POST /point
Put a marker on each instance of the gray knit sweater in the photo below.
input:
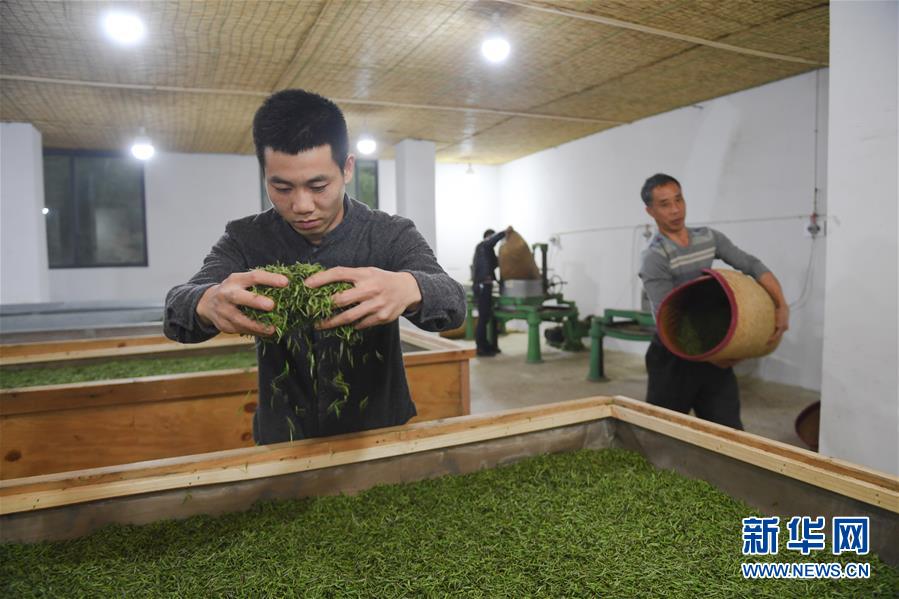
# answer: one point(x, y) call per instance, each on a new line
point(667, 265)
point(296, 406)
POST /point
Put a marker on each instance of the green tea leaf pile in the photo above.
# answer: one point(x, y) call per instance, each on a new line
point(297, 306)
point(297, 309)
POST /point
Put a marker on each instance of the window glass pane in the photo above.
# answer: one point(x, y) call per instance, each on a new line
point(110, 210)
point(366, 182)
point(59, 219)
point(96, 210)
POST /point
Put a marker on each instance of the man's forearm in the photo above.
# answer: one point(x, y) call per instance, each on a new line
point(772, 286)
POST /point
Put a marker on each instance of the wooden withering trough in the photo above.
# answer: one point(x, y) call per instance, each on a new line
point(81, 351)
point(773, 477)
point(58, 428)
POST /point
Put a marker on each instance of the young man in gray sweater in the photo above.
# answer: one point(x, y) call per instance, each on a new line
point(303, 148)
point(678, 254)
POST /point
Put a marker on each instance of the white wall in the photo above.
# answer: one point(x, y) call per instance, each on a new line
point(415, 185)
point(466, 205)
point(749, 155)
point(859, 403)
point(387, 186)
point(189, 199)
point(23, 234)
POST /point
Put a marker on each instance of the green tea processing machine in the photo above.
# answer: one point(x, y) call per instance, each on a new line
point(534, 301)
point(539, 300)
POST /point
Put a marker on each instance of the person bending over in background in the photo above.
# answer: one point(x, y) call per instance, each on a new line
point(675, 255)
point(483, 274)
point(302, 145)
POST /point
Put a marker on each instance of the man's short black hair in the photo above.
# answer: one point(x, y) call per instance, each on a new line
point(294, 120)
point(653, 182)
point(489, 233)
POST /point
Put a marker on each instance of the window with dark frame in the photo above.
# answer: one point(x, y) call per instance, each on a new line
point(96, 209)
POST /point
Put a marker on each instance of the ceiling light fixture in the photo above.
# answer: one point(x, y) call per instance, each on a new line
point(45, 211)
point(366, 145)
point(469, 170)
point(496, 47)
point(142, 148)
point(124, 28)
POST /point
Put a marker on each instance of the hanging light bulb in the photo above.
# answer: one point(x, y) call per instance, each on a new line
point(366, 145)
point(124, 28)
point(469, 170)
point(142, 148)
point(496, 48)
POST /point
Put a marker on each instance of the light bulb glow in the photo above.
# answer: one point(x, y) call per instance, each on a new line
point(124, 28)
point(366, 145)
point(142, 149)
point(496, 48)
point(45, 211)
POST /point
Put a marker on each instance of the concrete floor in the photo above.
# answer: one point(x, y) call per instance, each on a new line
point(506, 382)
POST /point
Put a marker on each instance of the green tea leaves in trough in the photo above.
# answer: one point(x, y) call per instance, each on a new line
point(579, 524)
point(125, 369)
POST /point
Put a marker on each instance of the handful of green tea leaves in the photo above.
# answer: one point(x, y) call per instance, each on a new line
point(298, 306)
point(297, 309)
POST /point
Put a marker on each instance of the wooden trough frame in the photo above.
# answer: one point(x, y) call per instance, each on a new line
point(773, 477)
point(58, 428)
point(81, 351)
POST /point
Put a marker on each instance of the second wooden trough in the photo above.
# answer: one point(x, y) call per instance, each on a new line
point(56, 428)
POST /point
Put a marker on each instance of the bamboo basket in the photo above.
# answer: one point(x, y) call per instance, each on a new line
point(722, 315)
point(516, 260)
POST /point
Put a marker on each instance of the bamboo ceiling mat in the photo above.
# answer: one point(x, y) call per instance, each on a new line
point(399, 68)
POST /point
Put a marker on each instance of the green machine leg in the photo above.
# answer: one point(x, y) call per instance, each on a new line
point(534, 356)
point(469, 320)
point(572, 330)
point(597, 368)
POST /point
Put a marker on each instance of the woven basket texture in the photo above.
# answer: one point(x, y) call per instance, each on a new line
point(694, 320)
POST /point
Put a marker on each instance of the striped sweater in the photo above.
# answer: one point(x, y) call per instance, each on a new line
point(667, 265)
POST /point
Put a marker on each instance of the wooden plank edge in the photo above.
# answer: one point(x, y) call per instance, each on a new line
point(465, 385)
point(429, 341)
point(134, 351)
point(91, 394)
point(20, 495)
point(867, 492)
point(768, 445)
point(421, 358)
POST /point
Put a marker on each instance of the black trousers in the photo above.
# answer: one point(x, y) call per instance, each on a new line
point(681, 385)
point(483, 294)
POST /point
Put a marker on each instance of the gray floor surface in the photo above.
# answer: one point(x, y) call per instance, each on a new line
point(506, 381)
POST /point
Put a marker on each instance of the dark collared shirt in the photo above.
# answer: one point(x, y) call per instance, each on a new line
point(485, 262)
point(297, 406)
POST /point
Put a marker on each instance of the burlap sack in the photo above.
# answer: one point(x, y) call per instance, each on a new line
point(516, 260)
point(722, 315)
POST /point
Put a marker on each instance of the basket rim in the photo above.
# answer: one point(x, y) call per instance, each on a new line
point(710, 273)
